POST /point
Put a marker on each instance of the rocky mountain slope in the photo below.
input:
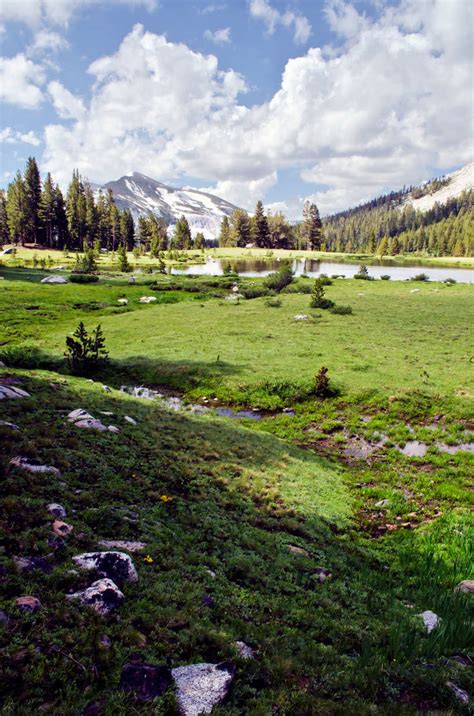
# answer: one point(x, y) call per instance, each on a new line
point(143, 195)
point(457, 182)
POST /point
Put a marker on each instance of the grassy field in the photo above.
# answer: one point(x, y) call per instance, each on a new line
point(394, 531)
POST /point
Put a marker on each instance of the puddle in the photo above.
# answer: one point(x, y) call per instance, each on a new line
point(453, 449)
point(359, 448)
point(414, 448)
point(235, 414)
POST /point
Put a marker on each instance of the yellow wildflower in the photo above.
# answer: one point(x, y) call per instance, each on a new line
point(165, 498)
point(148, 559)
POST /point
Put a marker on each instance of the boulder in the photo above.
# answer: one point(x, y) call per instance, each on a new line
point(122, 301)
point(132, 279)
point(430, 620)
point(466, 586)
point(115, 565)
point(61, 528)
point(83, 419)
point(28, 604)
point(113, 429)
point(323, 574)
point(130, 420)
point(54, 279)
point(294, 549)
point(300, 317)
point(145, 681)
point(79, 414)
point(57, 510)
point(244, 650)
point(200, 687)
point(30, 564)
point(147, 299)
point(461, 695)
point(122, 544)
point(103, 596)
point(34, 468)
point(11, 392)
point(12, 426)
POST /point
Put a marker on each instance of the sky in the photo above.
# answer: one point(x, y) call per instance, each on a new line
point(335, 101)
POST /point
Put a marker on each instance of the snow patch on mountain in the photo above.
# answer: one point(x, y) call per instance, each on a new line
point(143, 195)
point(459, 181)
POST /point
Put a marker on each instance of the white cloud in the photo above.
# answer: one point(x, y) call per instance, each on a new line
point(388, 107)
point(262, 10)
point(219, 37)
point(46, 42)
point(20, 81)
point(12, 136)
point(65, 103)
point(211, 8)
point(57, 12)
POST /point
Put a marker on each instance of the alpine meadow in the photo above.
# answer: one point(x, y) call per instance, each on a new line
point(236, 358)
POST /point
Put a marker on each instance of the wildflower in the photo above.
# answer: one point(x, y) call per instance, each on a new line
point(165, 498)
point(148, 559)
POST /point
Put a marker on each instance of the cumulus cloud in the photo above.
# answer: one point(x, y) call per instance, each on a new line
point(67, 105)
point(219, 37)
point(388, 106)
point(12, 136)
point(20, 81)
point(263, 10)
point(46, 42)
point(56, 12)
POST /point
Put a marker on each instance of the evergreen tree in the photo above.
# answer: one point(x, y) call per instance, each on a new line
point(60, 220)
point(76, 211)
point(127, 229)
point(312, 230)
point(32, 181)
point(122, 259)
point(280, 231)
point(224, 235)
point(241, 231)
point(260, 227)
point(17, 214)
point(182, 234)
point(4, 230)
point(47, 211)
point(199, 240)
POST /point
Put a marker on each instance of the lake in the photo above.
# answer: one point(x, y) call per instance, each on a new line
point(313, 268)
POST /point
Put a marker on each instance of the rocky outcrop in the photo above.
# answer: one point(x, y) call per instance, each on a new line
point(54, 279)
point(35, 468)
point(128, 546)
point(57, 510)
point(466, 586)
point(115, 565)
point(82, 419)
point(200, 687)
point(103, 596)
point(11, 392)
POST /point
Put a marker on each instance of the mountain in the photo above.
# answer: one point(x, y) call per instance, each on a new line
point(440, 190)
point(143, 195)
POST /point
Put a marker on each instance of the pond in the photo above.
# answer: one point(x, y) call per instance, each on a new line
point(310, 267)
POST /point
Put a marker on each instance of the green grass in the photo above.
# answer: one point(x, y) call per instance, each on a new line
point(242, 492)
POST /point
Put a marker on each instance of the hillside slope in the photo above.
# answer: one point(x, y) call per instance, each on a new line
point(458, 181)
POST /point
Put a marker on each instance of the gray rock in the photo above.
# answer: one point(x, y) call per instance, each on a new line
point(300, 317)
point(113, 429)
point(12, 426)
point(2, 364)
point(145, 681)
point(91, 424)
point(30, 564)
point(200, 687)
point(122, 544)
point(130, 420)
point(244, 650)
point(106, 388)
point(382, 503)
point(115, 565)
point(54, 279)
point(466, 586)
point(132, 279)
point(461, 695)
point(147, 299)
point(105, 642)
point(79, 414)
point(11, 392)
point(24, 464)
point(294, 549)
point(28, 603)
point(430, 620)
point(57, 510)
point(103, 596)
point(323, 574)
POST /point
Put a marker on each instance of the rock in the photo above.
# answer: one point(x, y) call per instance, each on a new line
point(11, 392)
point(105, 642)
point(130, 420)
point(4, 618)
point(57, 510)
point(461, 695)
point(323, 574)
point(91, 424)
point(12, 426)
point(61, 528)
point(300, 317)
point(28, 604)
point(294, 549)
point(200, 687)
point(211, 572)
point(58, 268)
point(132, 279)
point(122, 544)
point(430, 620)
point(30, 564)
point(382, 503)
point(122, 301)
point(103, 596)
point(24, 464)
point(466, 586)
point(106, 412)
point(54, 279)
point(56, 543)
point(79, 414)
point(2, 364)
point(113, 429)
point(145, 681)
point(147, 299)
point(106, 388)
point(244, 650)
point(415, 290)
point(115, 565)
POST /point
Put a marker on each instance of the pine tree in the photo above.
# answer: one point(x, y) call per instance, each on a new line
point(312, 230)
point(47, 211)
point(60, 220)
point(90, 216)
point(199, 240)
point(224, 235)
point(76, 211)
point(122, 259)
point(182, 234)
point(260, 227)
point(127, 229)
point(241, 232)
point(4, 230)
point(32, 182)
point(17, 210)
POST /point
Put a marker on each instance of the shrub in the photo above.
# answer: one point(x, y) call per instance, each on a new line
point(85, 353)
point(385, 277)
point(273, 302)
point(83, 278)
point(323, 388)
point(363, 274)
point(325, 280)
point(449, 281)
point(341, 310)
point(253, 291)
point(279, 280)
point(317, 296)
point(420, 277)
point(86, 263)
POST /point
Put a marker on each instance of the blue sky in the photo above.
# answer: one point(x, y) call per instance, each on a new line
point(331, 100)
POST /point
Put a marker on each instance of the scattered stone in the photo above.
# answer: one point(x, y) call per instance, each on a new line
point(12, 426)
point(294, 549)
point(82, 419)
point(57, 510)
point(461, 695)
point(105, 642)
point(34, 468)
point(132, 279)
point(211, 572)
point(113, 429)
point(130, 420)
point(30, 564)
point(244, 650)
point(323, 574)
point(61, 528)
point(58, 268)
point(106, 388)
point(430, 620)
point(28, 604)
point(466, 586)
point(4, 618)
point(79, 414)
point(200, 687)
point(462, 660)
point(115, 565)
point(145, 681)
point(2, 364)
point(122, 301)
point(414, 448)
point(103, 596)
point(11, 392)
point(106, 412)
point(415, 290)
point(54, 279)
point(382, 503)
point(122, 544)
point(300, 317)
point(56, 543)
point(147, 299)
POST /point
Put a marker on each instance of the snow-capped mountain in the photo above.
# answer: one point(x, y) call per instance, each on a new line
point(457, 182)
point(143, 195)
